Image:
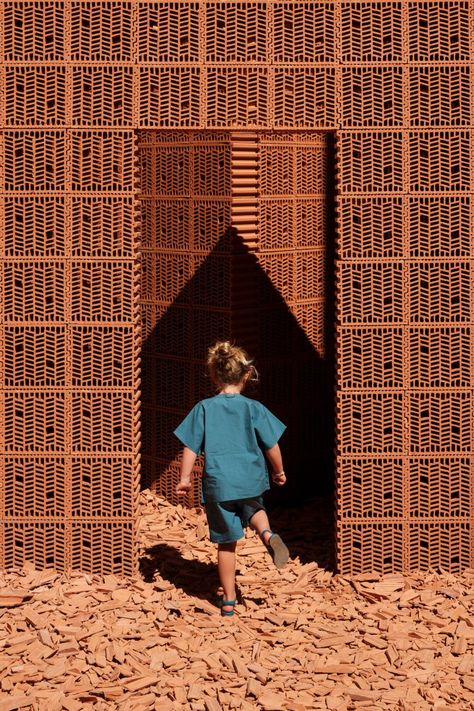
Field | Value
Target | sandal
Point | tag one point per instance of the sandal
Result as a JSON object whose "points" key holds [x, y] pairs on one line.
{"points": [[227, 613], [218, 595], [277, 549]]}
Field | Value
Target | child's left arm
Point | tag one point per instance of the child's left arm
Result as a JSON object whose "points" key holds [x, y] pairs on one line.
{"points": [[187, 463], [274, 457]]}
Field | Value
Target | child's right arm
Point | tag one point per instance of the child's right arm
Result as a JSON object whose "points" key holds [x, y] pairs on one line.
{"points": [[187, 463], [274, 457]]}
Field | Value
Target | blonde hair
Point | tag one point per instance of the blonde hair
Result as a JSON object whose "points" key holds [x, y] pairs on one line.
{"points": [[228, 364]]}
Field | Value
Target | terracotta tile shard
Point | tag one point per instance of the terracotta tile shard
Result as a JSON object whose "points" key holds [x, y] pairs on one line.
{"points": [[226, 661], [11, 598], [466, 664], [468, 682], [239, 666], [122, 595], [467, 632], [360, 695], [374, 641], [180, 695], [334, 669], [67, 648], [366, 577], [253, 688], [70, 704], [274, 619], [107, 692], [212, 704], [21, 639], [141, 683], [333, 641], [68, 631], [89, 632], [56, 670], [389, 584], [15, 702], [459, 646], [194, 692], [33, 617], [271, 702], [204, 606]]}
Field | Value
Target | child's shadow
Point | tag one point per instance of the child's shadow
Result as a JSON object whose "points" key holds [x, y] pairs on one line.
{"points": [[193, 576]]}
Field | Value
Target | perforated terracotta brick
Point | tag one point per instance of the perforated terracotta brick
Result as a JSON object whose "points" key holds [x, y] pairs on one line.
{"points": [[185, 285], [404, 288], [194, 291]]}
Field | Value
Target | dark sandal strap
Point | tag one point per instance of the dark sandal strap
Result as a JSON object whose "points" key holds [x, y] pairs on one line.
{"points": [[230, 603]]}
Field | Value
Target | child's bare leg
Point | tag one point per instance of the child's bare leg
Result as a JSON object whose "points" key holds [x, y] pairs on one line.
{"points": [[226, 568], [259, 521], [277, 549]]}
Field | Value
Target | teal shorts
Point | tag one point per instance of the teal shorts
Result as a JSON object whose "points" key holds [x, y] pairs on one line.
{"points": [[227, 519]]}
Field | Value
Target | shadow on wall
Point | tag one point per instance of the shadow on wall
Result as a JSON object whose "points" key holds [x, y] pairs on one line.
{"points": [[229, 296]]}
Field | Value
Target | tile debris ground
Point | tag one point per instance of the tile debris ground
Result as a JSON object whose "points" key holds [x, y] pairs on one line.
{"points": [[303, 638]]}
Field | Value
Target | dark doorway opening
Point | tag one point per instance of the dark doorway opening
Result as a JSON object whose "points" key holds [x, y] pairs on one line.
{"points": [[204, 279]]}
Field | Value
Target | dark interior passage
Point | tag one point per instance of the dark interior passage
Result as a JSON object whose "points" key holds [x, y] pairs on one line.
{"points": [[212, 286]]}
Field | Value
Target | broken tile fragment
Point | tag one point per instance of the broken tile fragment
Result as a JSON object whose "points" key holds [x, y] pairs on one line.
{"points": [[302, 637]]}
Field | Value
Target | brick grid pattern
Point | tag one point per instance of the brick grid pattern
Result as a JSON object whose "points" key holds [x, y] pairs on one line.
{"points": [[70, 329], [200, 281], [79, 81], [404, 279], [292, 253], [185, 302]]}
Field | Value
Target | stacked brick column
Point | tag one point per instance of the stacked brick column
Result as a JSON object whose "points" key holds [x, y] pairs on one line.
{"points": [[404, 288], [70, 406]]}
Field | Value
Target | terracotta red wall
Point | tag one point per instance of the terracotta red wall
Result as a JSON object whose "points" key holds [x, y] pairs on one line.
{"points": [[80, 83]]}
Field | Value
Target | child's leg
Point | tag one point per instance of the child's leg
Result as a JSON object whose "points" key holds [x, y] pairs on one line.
{"points": [[226, 568], [259, 521], [276, 547]]}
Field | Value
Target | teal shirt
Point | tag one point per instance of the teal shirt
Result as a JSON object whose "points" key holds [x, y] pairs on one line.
{"points": [[232, 431]]}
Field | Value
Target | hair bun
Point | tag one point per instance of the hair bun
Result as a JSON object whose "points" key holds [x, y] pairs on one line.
{"points": [[224, 350], [228, 363]]}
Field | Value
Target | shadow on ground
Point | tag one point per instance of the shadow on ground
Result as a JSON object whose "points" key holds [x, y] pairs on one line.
{"points": [[306, 530], [193, 576]]}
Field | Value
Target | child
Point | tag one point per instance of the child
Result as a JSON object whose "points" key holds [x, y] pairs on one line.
{"points": [[232, 430]]}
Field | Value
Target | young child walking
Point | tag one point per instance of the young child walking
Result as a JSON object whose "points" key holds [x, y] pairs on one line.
{"points": [[233, 432]]}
